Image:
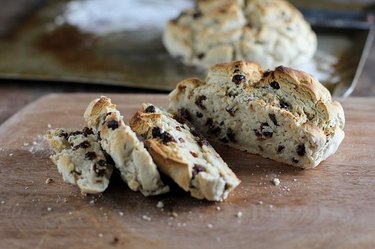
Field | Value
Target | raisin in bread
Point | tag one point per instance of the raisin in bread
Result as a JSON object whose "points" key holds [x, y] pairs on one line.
{"points": [[80, 159], [285, 114], [137, 168], [271, 32], [183, 154]]}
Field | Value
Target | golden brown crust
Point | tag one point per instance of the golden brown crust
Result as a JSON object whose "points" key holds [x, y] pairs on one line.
{"points": [[250, 69], [169, 164], [303, 80], [185, 85], [96, 109], [305, 84]]}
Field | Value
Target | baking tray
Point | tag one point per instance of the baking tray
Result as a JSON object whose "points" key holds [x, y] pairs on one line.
{"points": [[48, 47]]}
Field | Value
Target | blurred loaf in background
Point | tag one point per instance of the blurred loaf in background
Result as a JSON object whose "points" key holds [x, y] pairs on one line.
{"points": [[270, 32]]}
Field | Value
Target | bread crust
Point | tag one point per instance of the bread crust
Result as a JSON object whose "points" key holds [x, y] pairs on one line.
{"points": [[282, 100]]}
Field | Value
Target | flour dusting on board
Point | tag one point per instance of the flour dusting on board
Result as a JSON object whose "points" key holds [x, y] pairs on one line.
{"points": [[38, 145]]}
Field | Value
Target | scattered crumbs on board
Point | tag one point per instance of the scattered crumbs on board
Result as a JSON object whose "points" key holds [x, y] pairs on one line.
{"points": [[160, 205], [146, 218], [49, 180], [275, 181]]}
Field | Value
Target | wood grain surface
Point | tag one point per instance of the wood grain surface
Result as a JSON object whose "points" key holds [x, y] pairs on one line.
{"points": [[331, 206]]}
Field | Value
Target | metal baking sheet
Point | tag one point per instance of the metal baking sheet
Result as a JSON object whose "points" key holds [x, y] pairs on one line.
{"points": [[48, 47]]}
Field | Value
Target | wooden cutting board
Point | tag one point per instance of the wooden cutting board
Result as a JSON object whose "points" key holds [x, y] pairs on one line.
{"points": [[332, 206]]}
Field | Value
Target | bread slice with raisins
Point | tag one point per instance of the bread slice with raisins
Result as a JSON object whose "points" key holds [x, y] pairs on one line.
{"points": [[285, 114], [80, 159], [137, 168], [181, 153]]}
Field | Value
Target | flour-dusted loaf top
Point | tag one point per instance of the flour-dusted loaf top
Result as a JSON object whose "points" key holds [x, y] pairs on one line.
{"points": [[183, 154], [271, 32], [137, 168], [285, 114], [80, 159]]}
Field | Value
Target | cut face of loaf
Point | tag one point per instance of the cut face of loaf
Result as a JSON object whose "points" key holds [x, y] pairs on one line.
{"points": [[285, 114], [137, 168], [80, 159], [182, 154]]}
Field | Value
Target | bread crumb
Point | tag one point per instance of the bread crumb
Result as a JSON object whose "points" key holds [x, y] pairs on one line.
{"points": [[121, 213], [25, 144], [11, 154], [174, 214], [160, 204], [260, 202], [294, 180], [100, 235], [147, 218], [239, 214], [49, 209], [49, 126], [209, 225], [26, 188], [2, 202], [271, 206], [218, 208], [275, 181], [49, 180]]}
